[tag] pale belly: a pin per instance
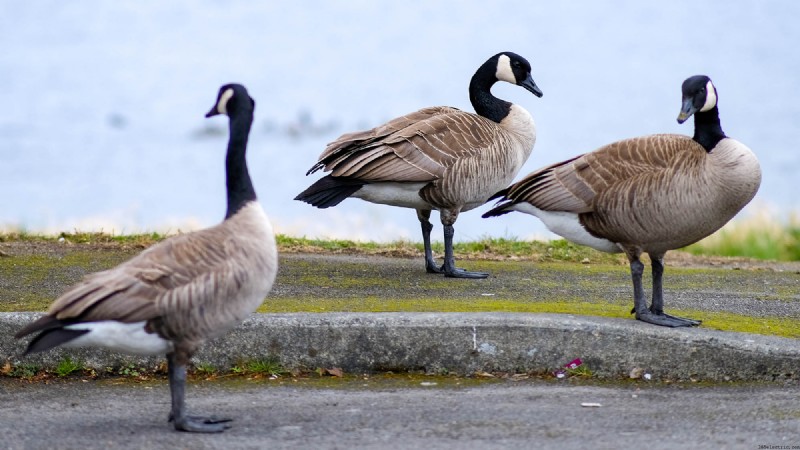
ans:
(122, 337)
(404, 195)
(568, 226)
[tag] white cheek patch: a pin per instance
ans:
(711, 97)
(504, 72)
(223, 101)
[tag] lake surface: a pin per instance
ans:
(102, 128)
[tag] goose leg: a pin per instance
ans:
(639, 302)
(657, 307)
(178, 416)
(643, 313)
(424, 216)
(449, 267)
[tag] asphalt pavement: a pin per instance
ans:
(387, 413)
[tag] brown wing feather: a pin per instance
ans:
(147, 285)
(573, 185)
(412, 148)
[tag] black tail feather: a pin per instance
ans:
(52, 333)
(329, 191)
(501, 205)
(44, 323)
(498, 194)
(498, 210)
(52, 338)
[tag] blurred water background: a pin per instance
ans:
(101, 118)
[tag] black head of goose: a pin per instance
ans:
(437, 158)
(648, 194)
(179, 293)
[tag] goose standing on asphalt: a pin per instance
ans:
(177, 294)
(438, 158)
(648, 194)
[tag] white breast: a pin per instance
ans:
(519, 121)
(522, 132)
(735, 169)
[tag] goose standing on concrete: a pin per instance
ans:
(648, 194)
(436, 158)
(177, 294)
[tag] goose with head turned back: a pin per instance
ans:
(437, 158)
(648, 194)
(179, 293)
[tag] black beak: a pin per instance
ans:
(687, 110)
(213, 112)
(530, 85)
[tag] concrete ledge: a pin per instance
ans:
(465, 343)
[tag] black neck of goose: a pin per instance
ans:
(237, 178)
(480, 94)
(707, 129)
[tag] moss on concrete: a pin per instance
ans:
(775, 326)
(30, 282)
(756, 301)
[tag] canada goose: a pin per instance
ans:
(177, 294)
(436, 158)
(647, 194)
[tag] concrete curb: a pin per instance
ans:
(465, 343)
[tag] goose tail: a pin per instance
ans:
(329, 191)
(503, 206)
(52, 334)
